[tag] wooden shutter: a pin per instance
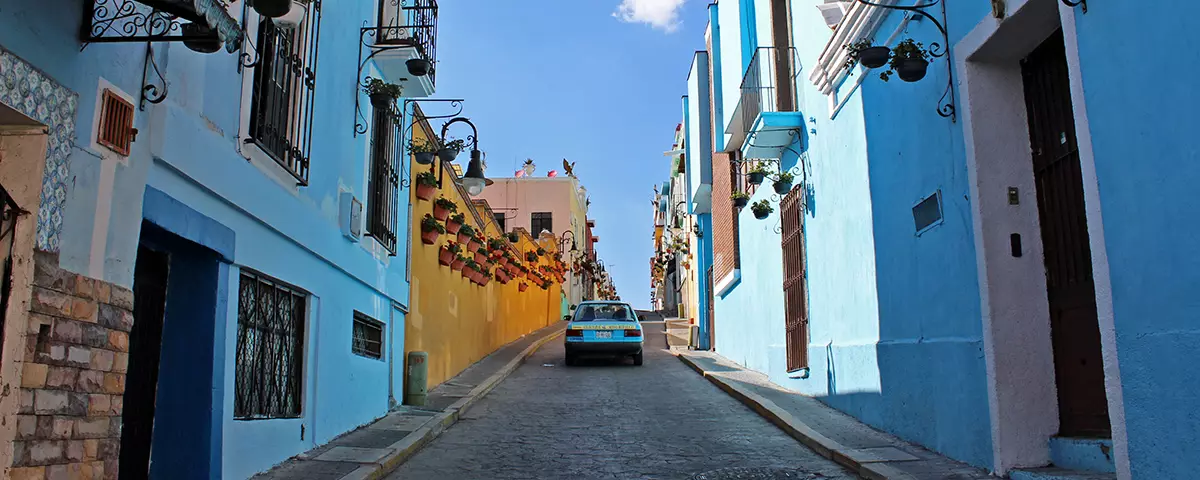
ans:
(795, 289)
(116, 123)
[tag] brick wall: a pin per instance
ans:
(73, 376)
(724, 217)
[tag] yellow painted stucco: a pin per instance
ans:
(455, 321)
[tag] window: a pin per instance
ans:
(367, 337)
(281, 99)
(269, 362)
(116, 123)
(604, 311)
(795, 288)
(540, 221)
(499, 217)
(726, 258)
(928, 213)
(384, 179)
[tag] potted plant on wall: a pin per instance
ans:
(541, 252)
(450, 150)
(382, 93)
(294, 16)
(783, 183)
(454, 223)
(447, 253)
(761, 209)
(757, 174)
(863, 52)
(513, 237)
(910, 61)
(423, 150)
(470, 268)
(521, 287)
(531, 256)
(418, 67)
(464, 234)
(480, 254)
(199, 37)
(443, 207)
(477, 240)
(430, 229)
(458, 262)
(426, 185)
(271, 8)
(740, 199)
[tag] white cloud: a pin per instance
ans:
(660, 14)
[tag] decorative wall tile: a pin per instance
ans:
(39, 97)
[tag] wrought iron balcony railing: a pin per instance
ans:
(769, 85)
(412, 23)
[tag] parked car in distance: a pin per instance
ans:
(604, 328)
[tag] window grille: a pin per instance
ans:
(384, 181)
(269, 366)
(795, 287)
(541, 221)
(116, 130)
(281, 105)
(368, 337)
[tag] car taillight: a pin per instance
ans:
(633, 333)
(574, 333)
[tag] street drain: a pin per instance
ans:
(757, 473)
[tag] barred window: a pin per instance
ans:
(367, 337)
(384, 179)
(540, 221)
(281, 102)
(269, 367)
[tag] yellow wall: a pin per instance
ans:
(455, 321)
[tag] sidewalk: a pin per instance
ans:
(872, 454)
(373, 451)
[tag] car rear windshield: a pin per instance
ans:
(587, 313)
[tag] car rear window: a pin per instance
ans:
(587, 313)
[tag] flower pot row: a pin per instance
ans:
(908, 60)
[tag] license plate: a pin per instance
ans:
(603, 334)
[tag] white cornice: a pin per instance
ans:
(861, 21)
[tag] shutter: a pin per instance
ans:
(795, 289)
(116, 123)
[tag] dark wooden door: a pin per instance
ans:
(145, 343)
(794, 283)
(1075, 331)
(712, 319)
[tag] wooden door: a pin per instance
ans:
(1075, 331)
(794, 279)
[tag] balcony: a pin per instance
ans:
(766, 119)
(407, 30)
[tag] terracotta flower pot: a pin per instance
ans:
(484, 281)
(480, 258)
(440, 213)
(473, 245)
(462, 237)
(452, 227)
(523, 287)
(445, 257)
(457, 264)
(429, 237)
(425, 192)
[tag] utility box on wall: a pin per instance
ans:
(350, 216)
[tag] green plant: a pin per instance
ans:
(456, 144)
(740, 196)
(495, 243)
(431, 224)
(458, 218)
(762, 208)
(908, 49)
(784, 177)
(759, 167)
(853, 49)
(421, 145)
(470, 263)
(541, 251)
(466, 230)
(376, 86)
(427, 179)
(453, 247)
(446, 203)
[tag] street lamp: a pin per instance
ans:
(562, 241)
(474, 180)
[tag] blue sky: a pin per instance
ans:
(598, 82)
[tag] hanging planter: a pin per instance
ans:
(450, 150)
(430, 229)
(204, 39)
(480, 255)
(521, 287)
(423, 150)
(783, 183)
(295, 15)
(454, 223)
(382, 94)
(513, 237)
(756, 176)
(910, 61)
(445, 256)
(740, 199)
(762, 209)
(443, 207)
(272, 8)
(869, 56)
(464, 235)
(541, 252)
(426, 185)
(458, 262)
(474, 244)
(469, 269)
(418, 67)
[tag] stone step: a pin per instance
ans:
(1055, 473)
(1086, 454)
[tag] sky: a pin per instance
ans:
(598, 82)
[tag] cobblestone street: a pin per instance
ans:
(608, 420)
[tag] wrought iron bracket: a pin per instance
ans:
(370, 49)
(946, 104)
(1076, 3)
(151, 92)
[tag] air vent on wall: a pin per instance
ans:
(115, 129)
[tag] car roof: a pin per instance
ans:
(604, 302)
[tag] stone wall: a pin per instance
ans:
(73, 376)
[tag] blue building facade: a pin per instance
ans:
(251, 204)
(964, 282)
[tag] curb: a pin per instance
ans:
(418, 439)
(797, 429)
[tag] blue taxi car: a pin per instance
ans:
(604, 329)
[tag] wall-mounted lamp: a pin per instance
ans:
(473, 180)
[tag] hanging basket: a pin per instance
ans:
(205, 41)
(761, 214)
(912, 69)
(272, 8)
(740, 202)
(782, 188)
(756, 178)
(424, 158)
(448, 154)
(418, 67)
(295, 15)
(425, 192)
(513, 237)
(429, 237)
(874, 57)
(381, 100)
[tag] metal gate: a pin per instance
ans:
(794, 285)
(1074, 329)
(712, 318)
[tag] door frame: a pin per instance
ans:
(1014, 304)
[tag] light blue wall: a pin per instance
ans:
(699, 132)
(187, 150)
(1141, 106)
